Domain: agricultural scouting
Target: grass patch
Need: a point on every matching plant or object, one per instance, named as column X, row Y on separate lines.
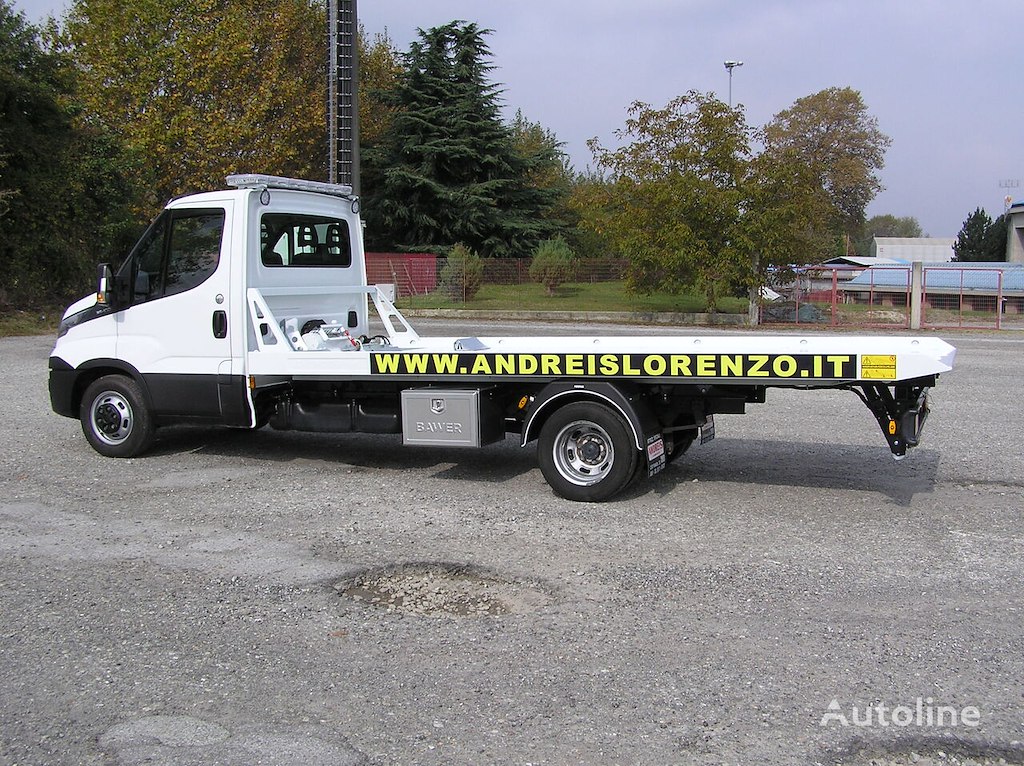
column 578, row 296
column 29, row 322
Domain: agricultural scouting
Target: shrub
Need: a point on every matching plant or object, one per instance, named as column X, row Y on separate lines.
column 552, row 264
column 462, row 274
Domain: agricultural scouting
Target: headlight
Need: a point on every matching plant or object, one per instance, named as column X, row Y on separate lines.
column 82, row 316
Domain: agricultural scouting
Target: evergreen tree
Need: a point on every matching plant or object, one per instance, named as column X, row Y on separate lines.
column 981, row 239
column 995, row 239
column 447, row 169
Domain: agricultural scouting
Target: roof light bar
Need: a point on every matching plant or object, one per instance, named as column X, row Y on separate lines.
column 260, row 182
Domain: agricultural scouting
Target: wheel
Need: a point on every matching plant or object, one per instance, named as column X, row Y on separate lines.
column 586, row 452
column 114, row 417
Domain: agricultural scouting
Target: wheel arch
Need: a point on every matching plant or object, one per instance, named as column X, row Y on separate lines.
column 97, row 368
column 558, row 394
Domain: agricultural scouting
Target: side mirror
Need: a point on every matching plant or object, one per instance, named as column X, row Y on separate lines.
column 105, row 289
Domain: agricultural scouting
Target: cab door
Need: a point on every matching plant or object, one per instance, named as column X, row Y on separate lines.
column 177, row 329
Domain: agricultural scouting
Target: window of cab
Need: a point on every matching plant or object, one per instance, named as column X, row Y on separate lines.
column 298, row 240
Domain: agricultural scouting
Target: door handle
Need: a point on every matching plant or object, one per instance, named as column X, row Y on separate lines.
column 220, row 324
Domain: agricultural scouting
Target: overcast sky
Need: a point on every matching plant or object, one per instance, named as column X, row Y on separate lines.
column 943, row 77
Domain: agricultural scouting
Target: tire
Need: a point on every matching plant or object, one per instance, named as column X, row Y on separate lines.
column 115, row 418
column 586, row 452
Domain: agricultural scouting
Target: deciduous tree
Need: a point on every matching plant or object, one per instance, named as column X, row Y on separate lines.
column 64, row 194
column 675, row 196
column 203, row 88
column 886, row 226
column 380, row 68
column 833, row 133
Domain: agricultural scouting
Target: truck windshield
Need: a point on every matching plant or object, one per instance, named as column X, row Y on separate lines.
column 291, row 239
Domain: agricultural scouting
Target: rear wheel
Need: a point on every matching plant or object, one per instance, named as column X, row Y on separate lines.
column 115, row 419
column 586, row 452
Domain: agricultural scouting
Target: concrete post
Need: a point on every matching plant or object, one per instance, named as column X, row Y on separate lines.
column 916, row 294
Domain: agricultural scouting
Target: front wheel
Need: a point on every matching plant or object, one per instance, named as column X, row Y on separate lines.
column 586, row 452
column 115, row 419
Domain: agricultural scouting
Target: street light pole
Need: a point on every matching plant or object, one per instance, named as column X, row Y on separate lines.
column 730, row 65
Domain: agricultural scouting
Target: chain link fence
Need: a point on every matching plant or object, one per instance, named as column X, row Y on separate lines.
column 952, row 295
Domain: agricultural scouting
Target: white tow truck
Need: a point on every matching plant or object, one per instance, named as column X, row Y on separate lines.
column 249, row 307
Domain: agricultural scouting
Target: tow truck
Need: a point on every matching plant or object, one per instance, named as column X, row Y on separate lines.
column 249, row 307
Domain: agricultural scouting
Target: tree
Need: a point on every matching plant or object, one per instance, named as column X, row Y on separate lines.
column 540, row 148
column 782, row 217
column 552, row 264
column 673, row 203
column 995, row 239
column 832, row 132
column 981, row 239
column 204, row 88
column 886, row 226
column 64, row 197
column 380, row 68
column 447, row 169
column 462, row 274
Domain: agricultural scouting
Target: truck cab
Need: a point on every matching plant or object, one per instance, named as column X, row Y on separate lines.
column 173, row 318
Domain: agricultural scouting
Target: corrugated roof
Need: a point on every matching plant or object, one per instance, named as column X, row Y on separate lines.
column 861, row 260
column 971, row 276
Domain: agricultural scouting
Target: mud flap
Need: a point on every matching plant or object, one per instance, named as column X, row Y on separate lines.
column 656, row 459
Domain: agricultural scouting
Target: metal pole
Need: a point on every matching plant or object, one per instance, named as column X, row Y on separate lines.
column 332, row 91
column 343, row 93
column 730, row 65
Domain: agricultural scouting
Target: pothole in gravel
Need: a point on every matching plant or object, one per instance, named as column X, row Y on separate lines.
column 948, row 753
column 442, row 589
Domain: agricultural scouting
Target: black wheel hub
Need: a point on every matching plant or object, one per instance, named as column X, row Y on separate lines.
column 591, row 449
column 108, row 418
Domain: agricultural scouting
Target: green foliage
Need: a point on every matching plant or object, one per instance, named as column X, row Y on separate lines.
column 981, row 239
column 380, row 68
column 462, row 274
column 885, row 226
column 783, row 214
column 204, row 88
column 447, row 170
column 832, row 132
column 996, row 239
column 64, row 198
column 691, row 206
column 673, row 203
column 553, row 264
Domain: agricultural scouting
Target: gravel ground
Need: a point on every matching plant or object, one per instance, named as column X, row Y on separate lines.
column 278, row 598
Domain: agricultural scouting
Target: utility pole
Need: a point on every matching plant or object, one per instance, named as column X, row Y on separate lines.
column 343, row 94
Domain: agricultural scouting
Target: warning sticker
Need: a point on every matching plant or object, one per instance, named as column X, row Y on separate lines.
column 878, row 367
